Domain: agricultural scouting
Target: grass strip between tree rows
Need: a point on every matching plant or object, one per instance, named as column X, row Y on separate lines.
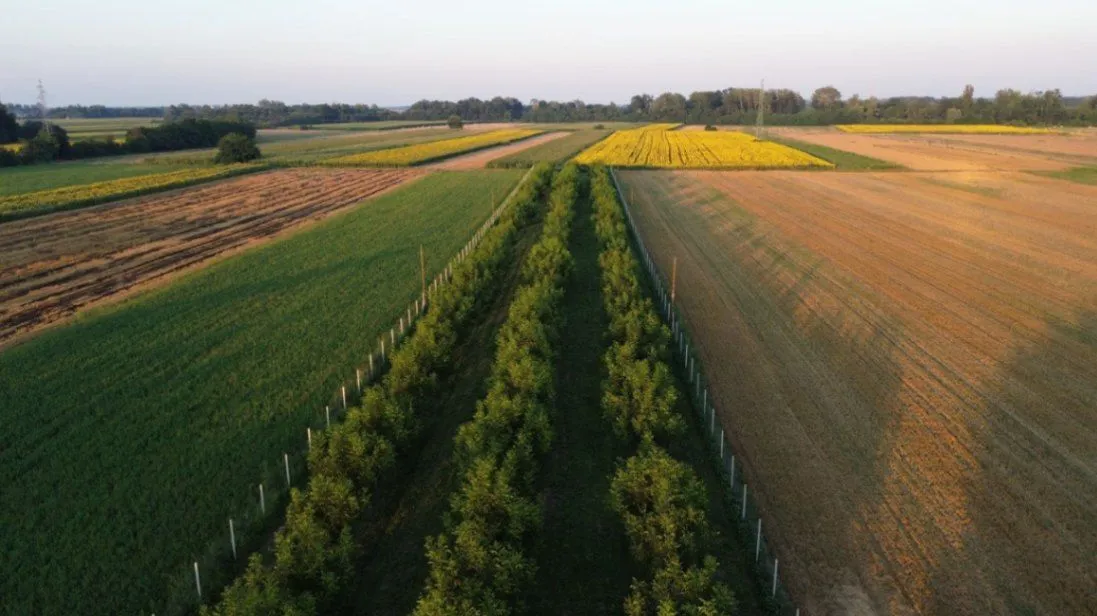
column 480, row 564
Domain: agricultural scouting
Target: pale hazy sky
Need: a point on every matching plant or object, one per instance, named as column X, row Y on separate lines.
column 393, row 52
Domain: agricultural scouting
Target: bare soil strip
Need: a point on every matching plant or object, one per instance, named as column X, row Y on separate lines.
column 908, row 363
column 480, row 158
column 54, row 265
column 955, row 152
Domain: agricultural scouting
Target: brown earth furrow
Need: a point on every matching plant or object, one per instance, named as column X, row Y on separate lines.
column 58, row 264
column 226, row 233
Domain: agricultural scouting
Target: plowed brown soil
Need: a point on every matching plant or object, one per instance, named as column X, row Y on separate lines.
column 908, row 364
column 480, row 158
column 952, row 152
column 54, row 265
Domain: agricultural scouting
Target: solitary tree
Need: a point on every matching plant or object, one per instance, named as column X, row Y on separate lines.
column 455, row 121
column 236, row 148
column 826, row 98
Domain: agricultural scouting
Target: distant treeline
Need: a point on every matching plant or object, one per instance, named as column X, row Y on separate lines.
column 45, row 142
column 728, row 106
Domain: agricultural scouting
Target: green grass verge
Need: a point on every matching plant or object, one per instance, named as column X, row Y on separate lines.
column 555, row 151
column 1081, row 175
column 134, row 433
column 842, row 160
column 379, row 126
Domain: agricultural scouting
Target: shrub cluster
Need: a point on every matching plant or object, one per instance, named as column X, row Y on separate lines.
column 479, row 565
column 314, row 552
column 660, row 500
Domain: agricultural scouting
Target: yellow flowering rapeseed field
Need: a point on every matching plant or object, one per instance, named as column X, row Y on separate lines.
column 960, row 129
column 99, row 192
column 658, row 147
column 427, row 152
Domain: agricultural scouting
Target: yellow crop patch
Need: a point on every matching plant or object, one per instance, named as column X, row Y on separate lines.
column 656, row 147
column 435, row 150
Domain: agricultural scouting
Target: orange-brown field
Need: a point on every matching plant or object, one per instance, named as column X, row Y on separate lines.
column 908, row 364
column 53, row 265
column 961, row 152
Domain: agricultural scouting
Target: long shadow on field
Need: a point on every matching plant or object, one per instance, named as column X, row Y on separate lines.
column 805, row 371
column 1030, row 545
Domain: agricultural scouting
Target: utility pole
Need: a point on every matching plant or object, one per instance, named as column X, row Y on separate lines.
column 42, row 108
column 761, row 123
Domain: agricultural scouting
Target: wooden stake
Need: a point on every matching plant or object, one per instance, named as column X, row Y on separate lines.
column 197, row 580
column 744, row 501
column 358, row 377
column 308, row 436
column 674, row 280
column 774, row 593
column 423, row 268
column 262, row 500
column 327, row 416
column 758, row 541
column 344, row 397
column 232, row 537
column 285, row 458
column 371, row 364
column 731, row 482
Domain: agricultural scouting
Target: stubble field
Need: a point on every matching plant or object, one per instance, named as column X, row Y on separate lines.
column 1038, row 152
column 905, row 360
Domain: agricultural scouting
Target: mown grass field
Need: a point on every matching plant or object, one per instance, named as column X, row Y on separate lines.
column 554, row 151
column 132, row 434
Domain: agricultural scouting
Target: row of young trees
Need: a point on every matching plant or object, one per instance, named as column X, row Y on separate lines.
column 315, row 552
column 661, row 500
column 479, row 565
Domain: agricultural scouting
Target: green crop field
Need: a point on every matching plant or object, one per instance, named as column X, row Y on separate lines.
column 842, row 160
column 554, row 151
column 87, row 127
column 132, row 434
column 379, row 126
column 32, row 178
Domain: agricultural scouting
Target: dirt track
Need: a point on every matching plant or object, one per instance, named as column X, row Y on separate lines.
column 908, row 363
column 957, row 152
column 54, row 265
column 480, row 158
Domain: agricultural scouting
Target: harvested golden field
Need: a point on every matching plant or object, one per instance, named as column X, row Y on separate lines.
column 655, row 147
column 908, row 364
column 939, row 152
column 943, row 129
column 53, row 265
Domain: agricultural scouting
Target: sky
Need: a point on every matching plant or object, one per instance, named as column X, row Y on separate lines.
column 395, row 52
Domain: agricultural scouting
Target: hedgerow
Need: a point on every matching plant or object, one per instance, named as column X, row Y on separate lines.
column 479, row 565
column 314, row 553
column 660, row 500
